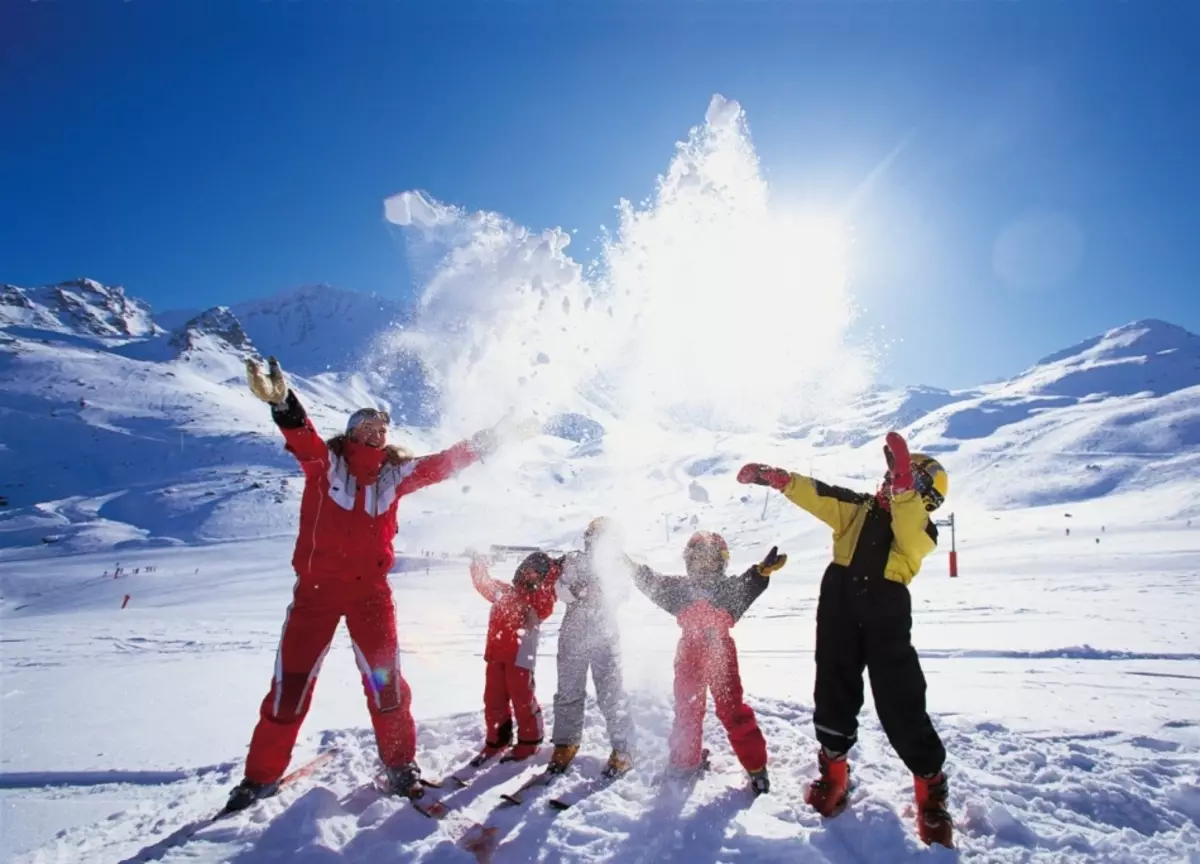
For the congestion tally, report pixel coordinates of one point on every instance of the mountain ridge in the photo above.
(168, 410)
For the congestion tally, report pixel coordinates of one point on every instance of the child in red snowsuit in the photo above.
(511, 653)
(707, 604)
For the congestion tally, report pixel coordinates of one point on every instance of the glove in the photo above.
(484, 442)
(488, 441)
(899, 463)
(274, 389)
(772, 562)
(764, 475)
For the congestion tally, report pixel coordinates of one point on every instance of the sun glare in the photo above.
(710, 303)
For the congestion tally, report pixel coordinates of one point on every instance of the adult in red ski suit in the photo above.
(707, 604)
(353, 484)
(514, 626)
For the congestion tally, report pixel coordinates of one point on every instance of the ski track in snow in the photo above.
(1017, 798)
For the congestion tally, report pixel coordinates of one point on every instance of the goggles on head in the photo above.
(367, 415)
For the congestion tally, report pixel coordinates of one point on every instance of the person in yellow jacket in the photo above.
(864, 620)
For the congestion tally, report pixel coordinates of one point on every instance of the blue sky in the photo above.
(205, 153)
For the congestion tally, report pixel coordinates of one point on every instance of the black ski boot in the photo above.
(247, 792)
(760, 783)
(405, 781)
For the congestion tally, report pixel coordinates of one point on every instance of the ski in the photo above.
(185, 833)
(516, 797)
(300, 773)
(583, 790)
(481, 840)
(383, 786)
(463, 776)
(431, 809)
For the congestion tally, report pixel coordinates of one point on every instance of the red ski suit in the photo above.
(342, 557)
(514, 626)
(706, 659)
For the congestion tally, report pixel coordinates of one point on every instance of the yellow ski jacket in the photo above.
(913, 533)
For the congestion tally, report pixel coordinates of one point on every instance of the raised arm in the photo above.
(913, 533)
(490, 589)
(301, 437)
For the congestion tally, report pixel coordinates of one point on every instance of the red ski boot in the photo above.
(933, 820)
(522, 751)
(828, 793)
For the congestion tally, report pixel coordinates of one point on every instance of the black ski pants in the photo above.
(866, 622)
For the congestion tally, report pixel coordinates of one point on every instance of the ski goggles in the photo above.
(367, 415)
(923, 484)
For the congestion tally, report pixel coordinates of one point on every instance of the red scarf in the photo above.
(364, 462)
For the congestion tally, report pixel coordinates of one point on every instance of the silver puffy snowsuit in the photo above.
(589, 638)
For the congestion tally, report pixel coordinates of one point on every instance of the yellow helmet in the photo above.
(930, 480)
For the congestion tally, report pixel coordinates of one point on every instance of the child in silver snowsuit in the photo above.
(593, 583)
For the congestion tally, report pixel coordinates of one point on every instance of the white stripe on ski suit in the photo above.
(312, 673)
(378, 497)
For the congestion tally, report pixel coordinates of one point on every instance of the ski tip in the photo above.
(433, 810)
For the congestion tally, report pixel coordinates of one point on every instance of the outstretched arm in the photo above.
(669, 593)
(738, 593)
(437, 467)
(428, 470)
(833, 505)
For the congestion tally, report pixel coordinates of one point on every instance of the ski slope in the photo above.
(1061, 673)
(1062, 664)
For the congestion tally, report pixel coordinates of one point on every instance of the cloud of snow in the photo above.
(708, 304)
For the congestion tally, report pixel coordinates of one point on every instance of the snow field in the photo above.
(1061, 677)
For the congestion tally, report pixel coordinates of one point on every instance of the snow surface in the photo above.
(1061, 673)
(1062, 663)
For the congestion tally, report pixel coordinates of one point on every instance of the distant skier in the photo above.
(707, 604)
(352, 485)
(864, 619)
(514, 626)
(593, 583)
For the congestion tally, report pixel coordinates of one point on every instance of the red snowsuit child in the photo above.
(342, 557)
(511, 653)
(707, 604)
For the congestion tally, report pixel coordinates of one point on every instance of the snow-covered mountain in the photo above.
(1121, 410)
(117, 429)
(81, 306)
(323, 328)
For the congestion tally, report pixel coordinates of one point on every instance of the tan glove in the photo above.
(772, 562)
(273, 389)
